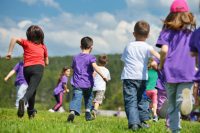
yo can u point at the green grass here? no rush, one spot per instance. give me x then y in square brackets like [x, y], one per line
[46, 122]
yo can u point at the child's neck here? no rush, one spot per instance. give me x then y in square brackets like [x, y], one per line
[141, 39]
[86, 51]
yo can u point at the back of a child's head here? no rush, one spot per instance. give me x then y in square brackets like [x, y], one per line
[102, 60]
[179, 17]
[142, 28]
[86, 42]
[35, 34]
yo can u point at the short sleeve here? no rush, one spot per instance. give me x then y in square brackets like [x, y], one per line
[64, 80]
[92, 59]
[124, 54]
[163, 38]
[108, 76]
[16, 68]
[23, 43]
[194, 40]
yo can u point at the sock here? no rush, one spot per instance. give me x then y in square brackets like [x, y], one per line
[87, 110]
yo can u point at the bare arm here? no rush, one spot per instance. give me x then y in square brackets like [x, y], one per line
[163, 53]
[46, 60]
[155, 53]
[194, 54]
[10, 74]
[65, 88]
[98, 71]
[13, 41]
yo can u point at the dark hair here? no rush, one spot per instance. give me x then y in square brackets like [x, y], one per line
[102, 60]
[142, 28]
[62, 73]
[180, 20]
[35, 34]
[86, 42]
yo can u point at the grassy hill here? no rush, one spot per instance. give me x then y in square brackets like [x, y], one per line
[46, 122]
[45, 90]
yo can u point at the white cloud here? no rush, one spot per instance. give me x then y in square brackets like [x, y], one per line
[24, 24]
[50, 3]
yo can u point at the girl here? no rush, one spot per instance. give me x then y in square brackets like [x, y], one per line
[35, 58]
[177, 64]
[61, 88]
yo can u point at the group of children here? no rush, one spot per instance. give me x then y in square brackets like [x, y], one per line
[175, 65]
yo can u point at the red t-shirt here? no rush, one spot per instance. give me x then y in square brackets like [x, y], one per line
[34, 54]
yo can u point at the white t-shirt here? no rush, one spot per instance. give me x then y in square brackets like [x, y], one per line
[99, 83]
[135, 57]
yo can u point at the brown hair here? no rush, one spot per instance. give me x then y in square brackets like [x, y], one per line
[35, 34]
[180, 20]
[102, 60]
[62, 73]
[86, 42]
[142, 28]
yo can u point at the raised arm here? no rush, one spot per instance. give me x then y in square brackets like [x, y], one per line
[99, 72]
[13, 41]
[10, 74]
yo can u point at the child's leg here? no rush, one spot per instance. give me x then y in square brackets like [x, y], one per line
[75, 104]
[195, 94]
[99, 96]
[21, 90]
[59, 100]
[88, 96]
[162, 97]
[154, 102]
[130, 88]
[173, 111]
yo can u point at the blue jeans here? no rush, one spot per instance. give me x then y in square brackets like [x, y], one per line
[75, 104]
[174, 94]
[136, 105]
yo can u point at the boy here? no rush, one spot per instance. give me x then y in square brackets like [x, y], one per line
[99, 84]
[82, 81]
[135, 74]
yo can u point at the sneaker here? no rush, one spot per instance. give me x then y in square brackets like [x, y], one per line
[20, 111]
[31, 113]
[143, 124]
[88, 116]
[61, 110]
[71, 117]
[155, 118]
[186, 106]
[51, 110]
[94, 113]
[134, 127]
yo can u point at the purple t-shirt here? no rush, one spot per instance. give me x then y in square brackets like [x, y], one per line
[160, 83]
[179, 66]
[83, 70]
[19, 67]
[195, 47]
[60, 87]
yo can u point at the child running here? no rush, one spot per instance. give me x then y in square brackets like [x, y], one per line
[20, 82]
[135, 74]
[61, 88]
[151, 91]
[35, 58]
[177, 64]
[99, 84]
[82, 81]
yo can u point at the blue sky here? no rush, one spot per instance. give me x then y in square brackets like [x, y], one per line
[109, 22]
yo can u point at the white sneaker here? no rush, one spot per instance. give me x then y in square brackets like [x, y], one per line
[51, 110]
[61, 109]
[186, 106]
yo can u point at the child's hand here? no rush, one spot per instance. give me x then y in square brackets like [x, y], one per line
[5, 79]
[8, 56]
[66, 91]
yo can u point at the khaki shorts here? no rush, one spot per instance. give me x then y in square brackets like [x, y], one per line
[98, 96]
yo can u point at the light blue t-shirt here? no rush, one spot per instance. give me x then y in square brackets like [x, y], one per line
[135, 57]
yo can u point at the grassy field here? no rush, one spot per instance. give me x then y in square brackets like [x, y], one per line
[46, 122]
